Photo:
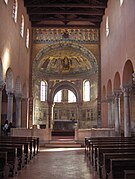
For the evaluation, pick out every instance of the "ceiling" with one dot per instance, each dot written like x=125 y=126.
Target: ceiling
x=66 y=13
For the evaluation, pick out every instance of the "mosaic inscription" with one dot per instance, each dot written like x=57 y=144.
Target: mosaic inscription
x=42 y=35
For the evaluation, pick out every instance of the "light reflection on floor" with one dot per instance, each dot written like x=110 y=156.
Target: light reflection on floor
x=59 y=149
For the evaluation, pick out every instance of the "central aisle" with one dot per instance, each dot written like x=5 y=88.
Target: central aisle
x=58 y=163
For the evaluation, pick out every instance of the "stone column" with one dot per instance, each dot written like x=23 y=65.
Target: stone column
x=24 y=112
x=30 y=110
x=10 y=107
x=18 y=109
x=133 y=76
x=127 y=127
x=1 y=88
x=117 y=112
x=78 y=116
x=110 y=110
x=77 y=113
x=49 y=121
x=52 y=117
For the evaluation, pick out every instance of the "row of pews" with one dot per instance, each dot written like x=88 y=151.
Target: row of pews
x=111 y=157
x=15 y=153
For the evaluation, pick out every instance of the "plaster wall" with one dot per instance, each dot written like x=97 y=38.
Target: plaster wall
x=13 y=51
x=119 y=46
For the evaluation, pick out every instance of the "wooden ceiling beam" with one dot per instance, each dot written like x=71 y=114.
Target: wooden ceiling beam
x=66 y=6
x=65 y=26
x=60 y=19
x=95 y=13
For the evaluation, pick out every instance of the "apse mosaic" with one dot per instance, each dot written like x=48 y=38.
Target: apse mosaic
x=42 y=35
x=65 y=58
x=65 y=65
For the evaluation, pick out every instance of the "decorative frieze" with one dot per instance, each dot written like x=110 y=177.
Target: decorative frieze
x=43 y=35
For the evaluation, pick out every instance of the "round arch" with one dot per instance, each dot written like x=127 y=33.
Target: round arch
x=24 y=91
x=61 y=45
x=18 y=86
x=109 y=88
x=9 y=80
x=117 y=81
x=1 y=71
x=104 y=92
x=64 y=85
x=127 y=77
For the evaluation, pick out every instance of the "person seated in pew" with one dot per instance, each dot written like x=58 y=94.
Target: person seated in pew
x=5 y=128
x=9 y=128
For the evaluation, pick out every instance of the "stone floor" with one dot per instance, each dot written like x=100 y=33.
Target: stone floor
x=58 y=163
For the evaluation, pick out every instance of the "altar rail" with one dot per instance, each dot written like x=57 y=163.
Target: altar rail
x=43 y=134
x=80 y=134
x=46 y=134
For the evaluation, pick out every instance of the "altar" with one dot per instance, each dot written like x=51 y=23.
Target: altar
x=63 y=127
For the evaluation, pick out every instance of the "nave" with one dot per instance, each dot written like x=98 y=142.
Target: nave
x=58 y=163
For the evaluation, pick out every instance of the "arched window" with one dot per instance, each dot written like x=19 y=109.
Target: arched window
x=27 y=38
x=58 y=96
x=6 y=1
x=71 y=97
x=121 y=2
x=15 y=9
x=86 y=91
x=43 y=91
x=22 y=26
x=107 y=28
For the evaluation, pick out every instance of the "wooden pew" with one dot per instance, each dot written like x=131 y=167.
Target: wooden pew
x=12 y=159
x=96 y=149
x=119 y=165
x=105 y=168
x=107 y=139
x=91 y=140
x=20 y=152
x=33 y=141
x=98 y=153
x=4 y=168
x=27 y=154
x=129 y=174
x=94 y=145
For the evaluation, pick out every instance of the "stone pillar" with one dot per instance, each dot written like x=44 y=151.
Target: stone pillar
x=117 y=112
x=24 y=112
x=78 y=113
x=1 y=88
x=18 y=109
x=64 y=95
x=127 y=127
x=133 y=76
x=47 y=120
x=10 y=107
x=52 y=117
x=110 y=111
x=30 y=119
x=49 y=123
x=113 y=113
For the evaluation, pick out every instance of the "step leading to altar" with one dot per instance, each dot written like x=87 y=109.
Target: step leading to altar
x=63 y=143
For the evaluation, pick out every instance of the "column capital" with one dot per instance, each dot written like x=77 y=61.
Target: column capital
x=2 y=84
x=126 y=90
x=117 y=93
x=104 y=100
x=110 y=99
x=18 y=96
x=133 y=74
x=10 y=93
